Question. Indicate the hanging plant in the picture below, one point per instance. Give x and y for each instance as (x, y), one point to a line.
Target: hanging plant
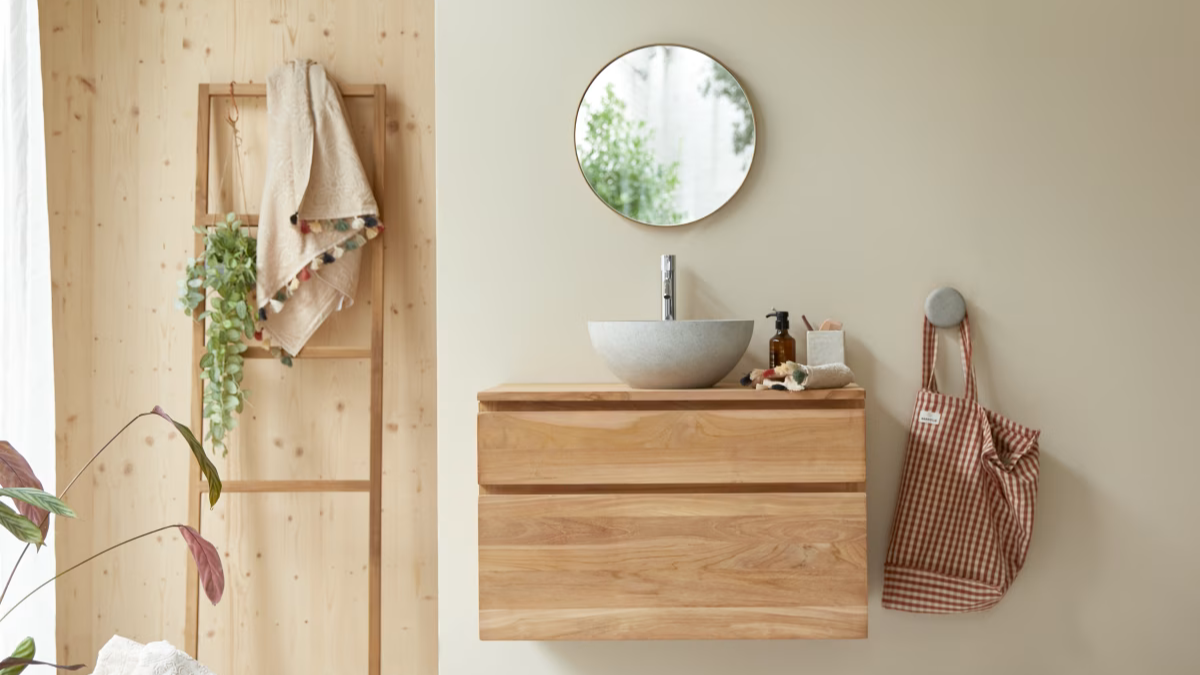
(225, 275)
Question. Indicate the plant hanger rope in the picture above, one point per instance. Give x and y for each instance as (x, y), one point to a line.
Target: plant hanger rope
(233, 160)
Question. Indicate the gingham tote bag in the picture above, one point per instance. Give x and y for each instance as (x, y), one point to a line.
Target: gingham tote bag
(964, 513)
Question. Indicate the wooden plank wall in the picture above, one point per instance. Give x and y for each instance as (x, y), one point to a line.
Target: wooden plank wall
(120, 97)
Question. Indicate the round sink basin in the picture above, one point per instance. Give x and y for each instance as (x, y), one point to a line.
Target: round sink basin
(670, 354)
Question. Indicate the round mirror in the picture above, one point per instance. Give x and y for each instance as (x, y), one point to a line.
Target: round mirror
(664, 135)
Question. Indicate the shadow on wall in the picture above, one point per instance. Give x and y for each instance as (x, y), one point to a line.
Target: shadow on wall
(887, 434)
(1068, 518)
(701, 298)
(703, 301)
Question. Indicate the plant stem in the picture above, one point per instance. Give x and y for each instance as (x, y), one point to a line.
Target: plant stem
(13, 573)
(89, 463)
(82, 563)
(21, 557)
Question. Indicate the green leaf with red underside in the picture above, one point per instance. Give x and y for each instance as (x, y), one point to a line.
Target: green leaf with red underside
(15, 472)
(206, 466)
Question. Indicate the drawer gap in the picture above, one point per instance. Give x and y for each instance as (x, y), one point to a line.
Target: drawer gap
(672, 488)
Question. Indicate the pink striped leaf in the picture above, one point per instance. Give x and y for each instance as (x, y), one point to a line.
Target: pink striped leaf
(208, 563)
(15, 472)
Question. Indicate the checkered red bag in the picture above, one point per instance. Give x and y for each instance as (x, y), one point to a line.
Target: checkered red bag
(964, 514)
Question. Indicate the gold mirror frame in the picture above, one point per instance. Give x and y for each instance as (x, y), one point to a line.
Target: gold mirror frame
(579, 108)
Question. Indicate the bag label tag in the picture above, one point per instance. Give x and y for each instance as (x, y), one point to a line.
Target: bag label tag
(929, 417)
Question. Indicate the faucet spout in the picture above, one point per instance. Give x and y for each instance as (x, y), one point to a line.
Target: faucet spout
(668, 287)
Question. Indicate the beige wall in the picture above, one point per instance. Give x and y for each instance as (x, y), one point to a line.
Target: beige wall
(120, 96)
(1043, 157)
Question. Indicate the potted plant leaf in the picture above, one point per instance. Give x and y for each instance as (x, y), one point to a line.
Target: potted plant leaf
(28, 519)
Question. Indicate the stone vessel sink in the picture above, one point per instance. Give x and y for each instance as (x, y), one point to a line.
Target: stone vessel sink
(670, 354)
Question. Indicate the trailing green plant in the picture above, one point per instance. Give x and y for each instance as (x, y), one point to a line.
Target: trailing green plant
(225, 276)
(621, 167)
(30, 523)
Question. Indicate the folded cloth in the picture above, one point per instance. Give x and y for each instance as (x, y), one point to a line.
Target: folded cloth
(317, 209)
(825, 376)
(793, 376)
(122, 656)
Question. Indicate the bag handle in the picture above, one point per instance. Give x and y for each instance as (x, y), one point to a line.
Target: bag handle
(929, 358)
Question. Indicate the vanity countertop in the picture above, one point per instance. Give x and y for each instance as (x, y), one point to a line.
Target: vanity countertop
(620, 392)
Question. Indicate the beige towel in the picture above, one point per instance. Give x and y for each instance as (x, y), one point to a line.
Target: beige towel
(317, 208)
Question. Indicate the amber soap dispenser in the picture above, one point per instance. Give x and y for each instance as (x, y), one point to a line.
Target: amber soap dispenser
(782, 346)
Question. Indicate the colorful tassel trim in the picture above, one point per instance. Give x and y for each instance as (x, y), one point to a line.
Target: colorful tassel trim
(367, 226)
(363, 222)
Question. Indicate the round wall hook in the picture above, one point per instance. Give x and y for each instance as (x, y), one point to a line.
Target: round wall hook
(945, 307)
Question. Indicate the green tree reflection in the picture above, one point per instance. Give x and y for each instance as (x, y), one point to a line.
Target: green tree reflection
(723, 84)
(621, 167)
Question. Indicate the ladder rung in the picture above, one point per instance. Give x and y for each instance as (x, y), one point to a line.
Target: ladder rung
(210, 219)
(314, 353)
(218, 89)
(232, 486)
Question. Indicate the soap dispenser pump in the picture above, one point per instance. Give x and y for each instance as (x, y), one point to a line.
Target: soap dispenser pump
(782, 346)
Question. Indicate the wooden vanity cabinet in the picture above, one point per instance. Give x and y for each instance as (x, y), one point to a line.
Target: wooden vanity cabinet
(609, 513)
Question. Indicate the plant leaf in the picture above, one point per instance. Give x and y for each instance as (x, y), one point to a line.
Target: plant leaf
(39, 498)
(11, 663)
(25, 650)
(206, 466)
(208, 563)
(22, 657)
(16, 472)
(21, 527)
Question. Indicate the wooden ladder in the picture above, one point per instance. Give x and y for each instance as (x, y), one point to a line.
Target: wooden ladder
(374, 483)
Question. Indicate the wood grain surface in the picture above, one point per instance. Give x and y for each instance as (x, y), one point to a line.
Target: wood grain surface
(290, 550)
(607, 513)
(705, 446)
(676, 623)
(672, 566)
(120, 82)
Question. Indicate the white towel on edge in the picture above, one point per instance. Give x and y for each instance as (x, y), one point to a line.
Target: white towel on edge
(122, 656)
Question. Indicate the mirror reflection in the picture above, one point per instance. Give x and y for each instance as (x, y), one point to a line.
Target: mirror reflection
(665, 135)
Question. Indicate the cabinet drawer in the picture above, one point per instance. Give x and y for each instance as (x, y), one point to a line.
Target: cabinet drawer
(672, 446)
(672, 566)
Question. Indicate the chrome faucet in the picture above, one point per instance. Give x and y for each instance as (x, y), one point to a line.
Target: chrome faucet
(668, 288)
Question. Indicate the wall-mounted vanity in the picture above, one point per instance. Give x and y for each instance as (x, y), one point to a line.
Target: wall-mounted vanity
(610, 513)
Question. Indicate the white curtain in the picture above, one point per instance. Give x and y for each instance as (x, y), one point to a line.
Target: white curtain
(26, 355)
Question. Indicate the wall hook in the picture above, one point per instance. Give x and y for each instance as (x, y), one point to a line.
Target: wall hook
(945, 307)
